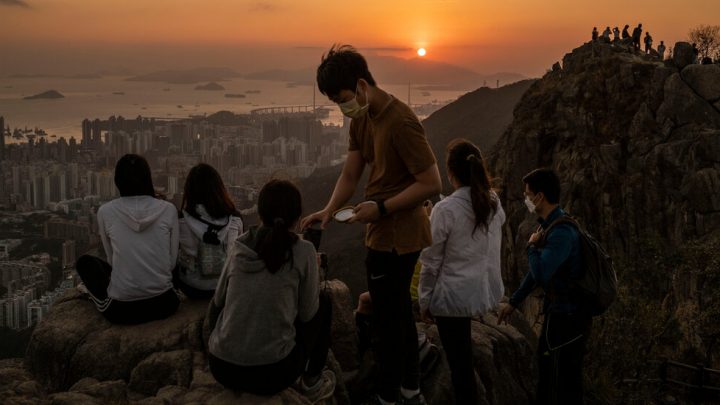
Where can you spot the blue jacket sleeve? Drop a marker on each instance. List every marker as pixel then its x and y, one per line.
pixel 528 284
pixel 546 261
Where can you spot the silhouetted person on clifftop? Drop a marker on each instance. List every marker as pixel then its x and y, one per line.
pixel 661 50
pixel 625 32
pixel 606 34
pixel 594 34
pixel 648 43
pixel 637 36
pixel 616 34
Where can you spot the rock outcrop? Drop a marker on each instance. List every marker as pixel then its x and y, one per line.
pixel 635 142
pixel 76 357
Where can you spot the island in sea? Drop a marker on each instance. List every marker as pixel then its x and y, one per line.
pixel 212 86
pixel 48 95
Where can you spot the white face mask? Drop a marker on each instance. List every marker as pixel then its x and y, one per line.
pixel 530 205
pixel 353 109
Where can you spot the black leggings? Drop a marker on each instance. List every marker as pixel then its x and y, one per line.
pixel 95 274
pixel 457 342
pixel 312 342
pixel 395 334
pixel 189 291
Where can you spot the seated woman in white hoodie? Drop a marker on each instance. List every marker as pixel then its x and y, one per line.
pixel 209 224
pixel 140 235
pixel 460 277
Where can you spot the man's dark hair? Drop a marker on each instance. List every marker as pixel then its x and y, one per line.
pixel 544 181
pixel 133 177
pixel 340 69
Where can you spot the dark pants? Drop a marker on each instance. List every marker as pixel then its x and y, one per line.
pixel 457 342
pixel 95 274
pixel 392 322
pixel 312 342
pixel 189 291
pixel 560 358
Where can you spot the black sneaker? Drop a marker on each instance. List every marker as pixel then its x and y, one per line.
pixel 323 389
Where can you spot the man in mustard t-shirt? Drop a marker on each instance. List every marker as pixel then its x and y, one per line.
pixel 386 136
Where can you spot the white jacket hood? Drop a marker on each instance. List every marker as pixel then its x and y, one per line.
pixel 138 212
pixel 198 228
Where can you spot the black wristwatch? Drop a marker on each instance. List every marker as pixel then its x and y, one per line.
pixel 381 207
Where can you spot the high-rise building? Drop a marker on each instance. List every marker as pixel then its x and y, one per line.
pixel 68 254
pixel 2 138
pixel 86 133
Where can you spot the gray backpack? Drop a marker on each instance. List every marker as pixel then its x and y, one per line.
pixel 211 252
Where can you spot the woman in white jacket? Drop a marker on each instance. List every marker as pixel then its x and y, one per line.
pixel 209 224
pixel 460 277
pixel 140 235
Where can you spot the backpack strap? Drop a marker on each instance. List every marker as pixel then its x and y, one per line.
pixel 211 234
pixel 210 224
pixel 563 219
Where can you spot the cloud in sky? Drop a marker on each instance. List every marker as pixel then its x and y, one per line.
pixel 263 7
pixel 14 3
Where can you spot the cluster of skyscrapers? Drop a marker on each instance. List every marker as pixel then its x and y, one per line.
pixel 64 181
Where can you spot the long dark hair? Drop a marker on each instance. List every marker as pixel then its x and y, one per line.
pixel 466 164
pixel 279 207
pixel 204 185
pixel 133 177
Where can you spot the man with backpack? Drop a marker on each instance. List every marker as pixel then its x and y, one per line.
pixel 555 260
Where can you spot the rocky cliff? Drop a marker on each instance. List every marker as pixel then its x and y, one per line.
pixel 636 143
pixel 77 357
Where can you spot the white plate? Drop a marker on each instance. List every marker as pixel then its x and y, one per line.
pixel 343 214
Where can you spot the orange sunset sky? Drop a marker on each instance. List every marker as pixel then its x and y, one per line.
pixel 524 36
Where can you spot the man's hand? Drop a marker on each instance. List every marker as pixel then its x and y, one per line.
pixel 322 216
pixel 534 238
pixel 426 316
pixel 504 314
pixel 365 212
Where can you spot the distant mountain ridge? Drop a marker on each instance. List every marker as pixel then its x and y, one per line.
pixel 190 76
pixel 425 74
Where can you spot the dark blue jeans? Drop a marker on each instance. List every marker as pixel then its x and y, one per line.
pixel 561 351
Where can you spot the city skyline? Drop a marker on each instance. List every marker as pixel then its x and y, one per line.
pixel 520 36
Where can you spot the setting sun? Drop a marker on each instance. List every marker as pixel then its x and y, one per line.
pixel 421 52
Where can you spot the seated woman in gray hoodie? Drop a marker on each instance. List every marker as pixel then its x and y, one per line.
pixel 270 324
pixel 140 236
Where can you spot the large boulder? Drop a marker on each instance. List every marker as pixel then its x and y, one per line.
pixel 76 341
pixel 682 105
pixel 704 80
pixel 683 55
pixel 76 349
